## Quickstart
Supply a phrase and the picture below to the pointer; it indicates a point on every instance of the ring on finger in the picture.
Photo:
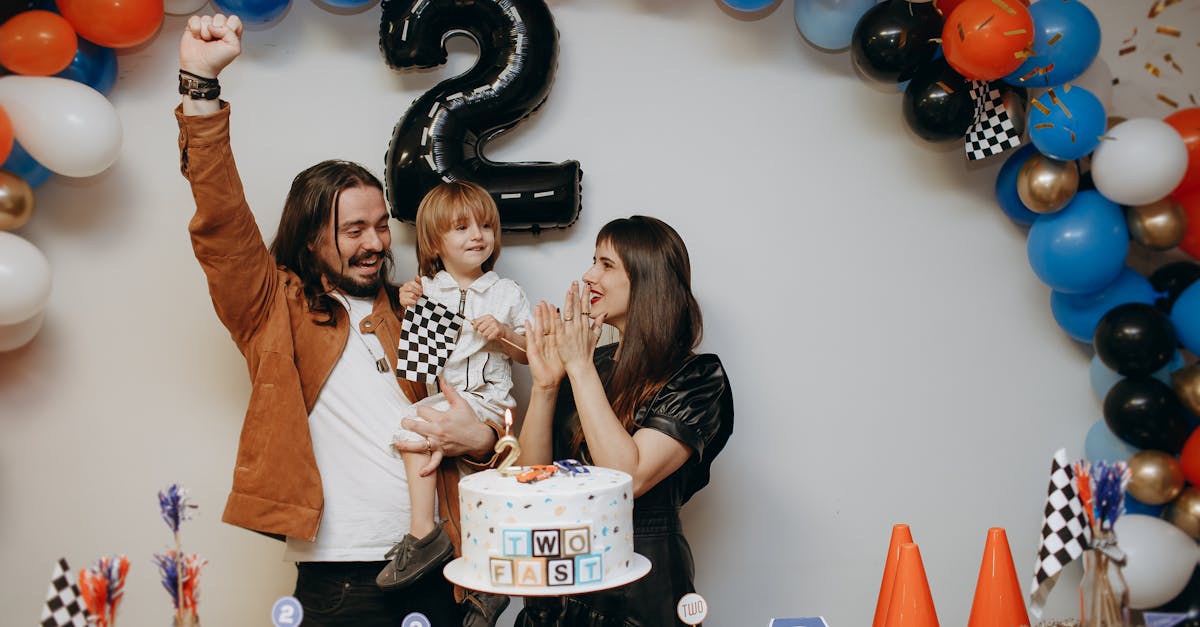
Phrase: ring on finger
(428, 445)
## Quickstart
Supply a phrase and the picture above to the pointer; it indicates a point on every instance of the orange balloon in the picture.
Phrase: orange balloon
(1187, 123)
(983, 39)
(1190, 201)
(6, 136)
(37, 43)
(114, 23)
(1189, 458)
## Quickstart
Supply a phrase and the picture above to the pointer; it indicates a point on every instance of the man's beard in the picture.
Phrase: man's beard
(356, 288)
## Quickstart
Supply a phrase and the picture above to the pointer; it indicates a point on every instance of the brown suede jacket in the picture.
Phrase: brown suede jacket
(276, 483)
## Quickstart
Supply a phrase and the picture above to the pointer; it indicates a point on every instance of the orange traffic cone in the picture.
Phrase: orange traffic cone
(900, 535)
(912, 603)
(998, 598)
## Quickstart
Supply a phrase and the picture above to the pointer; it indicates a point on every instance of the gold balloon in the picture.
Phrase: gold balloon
(1159, 225)
(16, 201)
(1185, 512)
(1046, 185)
(1155, 477)
(1186, 382)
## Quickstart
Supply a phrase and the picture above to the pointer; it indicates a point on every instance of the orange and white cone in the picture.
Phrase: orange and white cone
(901, 534)
(912, 602)
(998, 598)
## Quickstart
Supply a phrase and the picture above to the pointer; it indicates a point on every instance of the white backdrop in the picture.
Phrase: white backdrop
(892, 356)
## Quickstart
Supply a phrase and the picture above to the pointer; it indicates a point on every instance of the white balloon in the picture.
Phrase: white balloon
(1097, 80)
(65, 125)
(182, 7)
(1160, 559)
(14, 336)
(24, 279)
(1142, 162)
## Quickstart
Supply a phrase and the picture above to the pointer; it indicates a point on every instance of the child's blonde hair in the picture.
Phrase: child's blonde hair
(449, 204)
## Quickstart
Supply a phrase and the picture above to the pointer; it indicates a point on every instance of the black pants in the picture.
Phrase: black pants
(344, 594)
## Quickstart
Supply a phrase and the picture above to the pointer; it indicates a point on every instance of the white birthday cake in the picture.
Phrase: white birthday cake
(568, 531)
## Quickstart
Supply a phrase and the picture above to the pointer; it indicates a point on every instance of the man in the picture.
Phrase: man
(319, 328)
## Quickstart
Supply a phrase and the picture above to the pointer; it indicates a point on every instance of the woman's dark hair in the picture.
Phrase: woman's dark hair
(663, 325)
(309, 210)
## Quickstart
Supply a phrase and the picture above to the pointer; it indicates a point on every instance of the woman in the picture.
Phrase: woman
(647, 405)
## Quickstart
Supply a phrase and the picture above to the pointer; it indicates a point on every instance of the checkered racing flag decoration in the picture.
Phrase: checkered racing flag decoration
(993, 131)
(64, 607)
(1065, 531)
(427, 337)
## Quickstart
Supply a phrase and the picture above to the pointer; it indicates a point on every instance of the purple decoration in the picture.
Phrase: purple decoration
(174, 504)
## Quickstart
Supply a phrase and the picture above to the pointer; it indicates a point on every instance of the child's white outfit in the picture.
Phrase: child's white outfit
(482, 378)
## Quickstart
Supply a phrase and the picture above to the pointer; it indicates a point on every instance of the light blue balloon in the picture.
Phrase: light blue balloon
(1101, 444)
(1103, 378)
(1076, 35)
(1006, 186)
(1082, 247)
(1078, 314)
(1185, 316)
(829, 24)
(1069, 129)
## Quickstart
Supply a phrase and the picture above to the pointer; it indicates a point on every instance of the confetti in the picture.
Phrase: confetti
(1019, 31)
(1055, 100)
(1040, 107)
(1126, 50)
(1164, 98)
(1004, 6)
(1053, 40)
(1169, 31)
(945, 87)
(1169, 59)
(1156, 8)
(1151, 68)
(1130, 38)
(1043, 125)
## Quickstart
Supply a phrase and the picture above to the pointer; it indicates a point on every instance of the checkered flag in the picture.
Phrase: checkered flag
(427, 337)
(994, 130)
(64, 607)
(1065, 531)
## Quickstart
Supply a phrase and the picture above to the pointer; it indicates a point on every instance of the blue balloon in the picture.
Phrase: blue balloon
(1075, 32)
(20, 163)
(1185, 316)
(1070, 128)
(1082, 247)
(1006, 187)
(94, 66)
(748, 5)
(253, 11)
(1078, 314)
(1134, 506)
(1103, 378)
(1101, 444)
(829, 24)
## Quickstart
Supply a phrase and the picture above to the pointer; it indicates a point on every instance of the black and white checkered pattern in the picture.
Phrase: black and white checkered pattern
(427, 337)
(1065, 531)
(993, 131)
(63, 605)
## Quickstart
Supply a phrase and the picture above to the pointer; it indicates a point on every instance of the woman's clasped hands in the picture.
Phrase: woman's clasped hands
(560, 343)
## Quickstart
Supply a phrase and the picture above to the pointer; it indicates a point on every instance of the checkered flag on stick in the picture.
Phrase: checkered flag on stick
(427, 337)
(993, 131)
(1065, 531)
(63, 605)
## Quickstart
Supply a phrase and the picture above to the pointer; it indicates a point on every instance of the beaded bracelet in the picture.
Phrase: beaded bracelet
(198, 87)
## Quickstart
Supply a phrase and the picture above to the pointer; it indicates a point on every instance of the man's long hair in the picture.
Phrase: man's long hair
(663, 324)
(310, 213)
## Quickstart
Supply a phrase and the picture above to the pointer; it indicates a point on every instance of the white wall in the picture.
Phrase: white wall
(893, 357)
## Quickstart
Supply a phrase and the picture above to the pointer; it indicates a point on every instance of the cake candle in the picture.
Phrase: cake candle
(508, 442)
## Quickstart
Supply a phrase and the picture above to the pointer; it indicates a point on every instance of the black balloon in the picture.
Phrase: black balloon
(893, 38)
(9, 8)
(1145, 412)
(443, 133)
(1134, 339)
(1186, 602)
(1172, 279)
(938, 104)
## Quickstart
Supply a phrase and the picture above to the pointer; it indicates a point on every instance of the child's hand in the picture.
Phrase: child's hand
(489, 327)
(410, 292)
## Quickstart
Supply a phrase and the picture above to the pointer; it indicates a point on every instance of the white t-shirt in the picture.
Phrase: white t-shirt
(366, 492)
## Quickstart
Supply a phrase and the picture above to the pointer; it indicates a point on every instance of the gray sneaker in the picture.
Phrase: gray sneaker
(483, 609)
(412, 557)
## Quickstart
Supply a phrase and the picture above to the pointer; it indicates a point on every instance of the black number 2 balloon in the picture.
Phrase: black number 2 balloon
(443, 133)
